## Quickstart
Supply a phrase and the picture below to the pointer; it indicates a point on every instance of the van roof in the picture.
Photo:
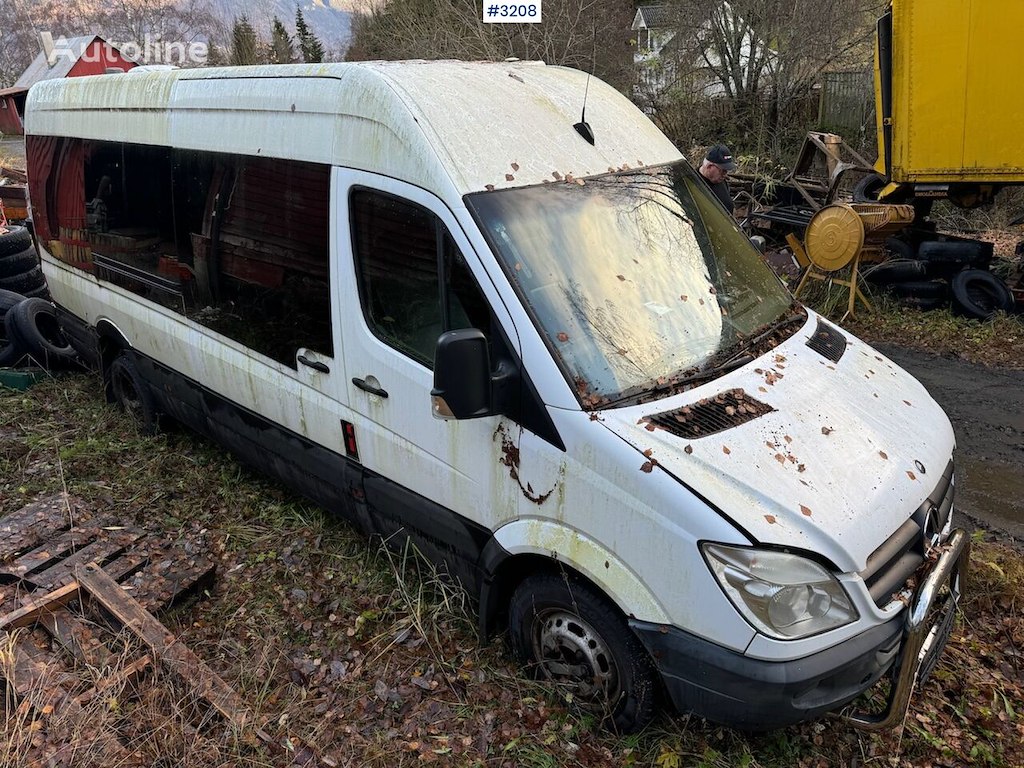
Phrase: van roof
(447, 126)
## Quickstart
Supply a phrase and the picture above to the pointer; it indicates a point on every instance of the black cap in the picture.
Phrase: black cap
(721, 156)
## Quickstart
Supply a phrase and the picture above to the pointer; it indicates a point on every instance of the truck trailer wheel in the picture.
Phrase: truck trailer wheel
(131, 393)
(569, 634)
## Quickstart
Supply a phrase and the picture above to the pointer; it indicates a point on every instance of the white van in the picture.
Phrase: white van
(425, 297)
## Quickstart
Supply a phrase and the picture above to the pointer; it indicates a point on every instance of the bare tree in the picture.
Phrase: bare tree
(588, 34)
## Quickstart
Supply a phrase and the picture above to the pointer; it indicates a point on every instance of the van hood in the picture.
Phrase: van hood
(825, 456)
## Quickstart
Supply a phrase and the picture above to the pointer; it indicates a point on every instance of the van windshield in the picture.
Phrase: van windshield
(638, 279)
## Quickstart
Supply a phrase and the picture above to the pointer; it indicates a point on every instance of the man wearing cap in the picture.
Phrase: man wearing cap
(715, 169)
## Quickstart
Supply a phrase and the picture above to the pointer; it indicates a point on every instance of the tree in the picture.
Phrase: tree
(743, 71)
(309, 44)
(592, 35)
(282, 47)
(246, 46)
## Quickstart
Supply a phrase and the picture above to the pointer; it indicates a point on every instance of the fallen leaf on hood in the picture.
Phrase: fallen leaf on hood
(805, 510)
(647, 466)
(725, 450)
(688, 449)
(770, 519)
(648, 452)
(826, 430)
(562, 336)
(911, 475)
(884, 455)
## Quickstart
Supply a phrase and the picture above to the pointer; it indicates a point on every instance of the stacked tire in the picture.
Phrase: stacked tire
(30, 333)
(19, 265)
(941, 273)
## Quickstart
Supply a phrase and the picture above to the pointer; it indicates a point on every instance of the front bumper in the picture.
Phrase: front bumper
(752, 694)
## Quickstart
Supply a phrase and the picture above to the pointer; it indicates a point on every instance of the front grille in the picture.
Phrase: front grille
(890, 565)
(827, 342)
(712, 415)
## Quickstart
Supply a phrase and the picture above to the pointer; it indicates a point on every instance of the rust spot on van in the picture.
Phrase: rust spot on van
(563, 336)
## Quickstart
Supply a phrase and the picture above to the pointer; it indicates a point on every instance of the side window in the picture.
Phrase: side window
(414, 283)
(238, 244)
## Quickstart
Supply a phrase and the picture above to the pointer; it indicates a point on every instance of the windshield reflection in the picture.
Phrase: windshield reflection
(635, 278)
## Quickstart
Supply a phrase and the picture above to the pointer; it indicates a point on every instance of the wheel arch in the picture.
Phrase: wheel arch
(110, 343)
(526, 547)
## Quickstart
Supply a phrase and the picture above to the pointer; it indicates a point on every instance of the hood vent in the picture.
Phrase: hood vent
(827, 342)
(715, 414)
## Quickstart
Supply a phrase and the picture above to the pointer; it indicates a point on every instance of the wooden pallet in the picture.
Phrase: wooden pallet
(72, 584)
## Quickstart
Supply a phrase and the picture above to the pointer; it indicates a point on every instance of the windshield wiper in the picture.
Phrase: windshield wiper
(740, 356)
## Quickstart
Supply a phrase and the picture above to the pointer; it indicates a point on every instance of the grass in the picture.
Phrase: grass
(364, 656)
(997, 342)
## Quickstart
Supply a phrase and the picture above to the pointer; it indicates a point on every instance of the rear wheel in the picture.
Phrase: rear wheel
(568, 633)
(131, 393)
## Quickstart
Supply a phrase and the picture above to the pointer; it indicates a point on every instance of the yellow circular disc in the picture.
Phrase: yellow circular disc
(834, 237)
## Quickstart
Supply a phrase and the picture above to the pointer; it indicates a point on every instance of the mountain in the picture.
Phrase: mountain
(330, 20)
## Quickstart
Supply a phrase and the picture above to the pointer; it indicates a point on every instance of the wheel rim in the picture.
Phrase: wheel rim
(570, 651)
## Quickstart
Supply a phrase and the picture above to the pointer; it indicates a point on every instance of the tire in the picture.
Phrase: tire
(42, 292)
(36, 327)
(921, 289)
(11, 349)
(980, 294)
(867, 189)
(560, 620)
(896, 271)
(16, 240)
(899, 249)
(26, 281)
(9, 300)
(18, 263)
(950, 256)
(132, 394)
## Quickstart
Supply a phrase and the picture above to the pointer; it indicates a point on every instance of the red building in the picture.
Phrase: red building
(69, 57)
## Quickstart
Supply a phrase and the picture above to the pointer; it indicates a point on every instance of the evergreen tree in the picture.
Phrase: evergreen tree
(310, 46)
(282, 47)
(246, 47)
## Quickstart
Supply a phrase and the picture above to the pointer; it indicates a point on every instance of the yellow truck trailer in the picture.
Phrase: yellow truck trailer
(950, 99)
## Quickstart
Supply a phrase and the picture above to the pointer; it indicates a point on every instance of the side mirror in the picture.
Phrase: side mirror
(462, 376)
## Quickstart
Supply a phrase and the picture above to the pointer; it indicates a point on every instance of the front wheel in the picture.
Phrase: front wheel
(569, 634)
(131, 393)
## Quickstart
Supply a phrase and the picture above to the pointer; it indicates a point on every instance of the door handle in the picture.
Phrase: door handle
(316, 365)
(367, 387)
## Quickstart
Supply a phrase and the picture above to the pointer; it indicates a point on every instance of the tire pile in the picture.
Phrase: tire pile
(29, 329)
(943, 273)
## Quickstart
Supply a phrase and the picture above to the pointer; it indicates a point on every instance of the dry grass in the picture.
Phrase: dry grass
(368, 657)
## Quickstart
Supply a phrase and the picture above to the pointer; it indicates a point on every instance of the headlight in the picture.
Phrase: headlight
(784, 596)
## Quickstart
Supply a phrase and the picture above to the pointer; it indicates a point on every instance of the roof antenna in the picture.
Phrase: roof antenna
(583, 127)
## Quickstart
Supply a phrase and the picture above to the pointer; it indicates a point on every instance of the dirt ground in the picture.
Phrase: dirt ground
(986, 406)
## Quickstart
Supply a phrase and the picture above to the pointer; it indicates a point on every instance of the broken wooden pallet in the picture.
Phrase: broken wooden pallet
(43, 548)
(43, 543)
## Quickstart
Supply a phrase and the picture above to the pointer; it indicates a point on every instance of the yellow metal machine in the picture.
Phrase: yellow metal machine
(949, 98)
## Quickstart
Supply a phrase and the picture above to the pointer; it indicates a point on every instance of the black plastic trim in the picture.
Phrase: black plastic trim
(752, 694)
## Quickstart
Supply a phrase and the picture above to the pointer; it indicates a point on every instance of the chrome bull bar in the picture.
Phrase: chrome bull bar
(919, 637)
